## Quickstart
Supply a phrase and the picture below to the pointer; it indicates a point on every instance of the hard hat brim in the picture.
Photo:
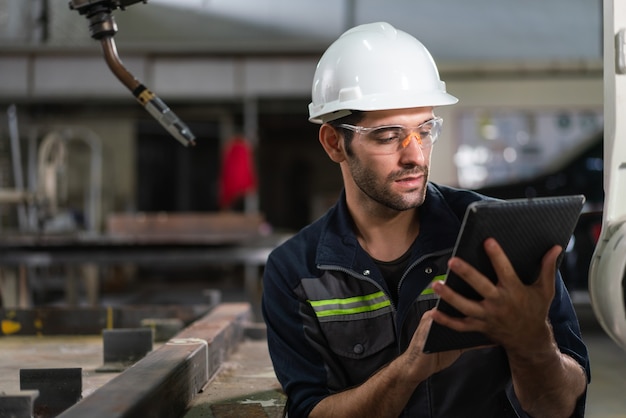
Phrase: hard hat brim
(338, 108)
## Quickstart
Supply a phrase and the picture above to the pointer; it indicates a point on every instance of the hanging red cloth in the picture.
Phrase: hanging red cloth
(237, 176)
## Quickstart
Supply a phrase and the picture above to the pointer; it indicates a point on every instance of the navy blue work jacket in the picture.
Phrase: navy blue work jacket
(331, 323)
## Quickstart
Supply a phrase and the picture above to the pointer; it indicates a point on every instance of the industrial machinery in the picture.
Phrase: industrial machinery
(608, 266)
(102, 27)
(41, 199)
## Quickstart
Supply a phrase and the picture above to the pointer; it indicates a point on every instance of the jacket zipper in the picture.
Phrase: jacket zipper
(415, 263)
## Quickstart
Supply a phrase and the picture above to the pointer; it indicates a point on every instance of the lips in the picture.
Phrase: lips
(412, 181)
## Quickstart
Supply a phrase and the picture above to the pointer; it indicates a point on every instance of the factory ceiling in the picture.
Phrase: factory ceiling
(454, 30)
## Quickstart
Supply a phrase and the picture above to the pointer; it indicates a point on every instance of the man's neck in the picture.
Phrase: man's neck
(387, 236)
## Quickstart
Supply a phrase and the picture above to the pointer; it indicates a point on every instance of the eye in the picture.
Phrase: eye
(425, 132)
(386, 135)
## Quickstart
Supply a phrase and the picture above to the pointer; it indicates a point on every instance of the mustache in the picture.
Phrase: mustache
(417, 170)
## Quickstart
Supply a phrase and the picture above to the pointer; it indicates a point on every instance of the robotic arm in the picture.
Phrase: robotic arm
(607, 273)
(102, 27)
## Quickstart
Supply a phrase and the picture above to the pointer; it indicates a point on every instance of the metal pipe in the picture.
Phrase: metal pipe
(102, 27)
(115, 64)
(150, 101)
(16, 156)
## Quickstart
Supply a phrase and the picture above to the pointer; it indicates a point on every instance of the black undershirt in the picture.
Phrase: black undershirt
(392, 273)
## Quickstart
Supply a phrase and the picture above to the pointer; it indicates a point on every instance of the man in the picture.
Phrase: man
(348, 300)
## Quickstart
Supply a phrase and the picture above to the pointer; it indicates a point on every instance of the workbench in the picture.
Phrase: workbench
(181, 244)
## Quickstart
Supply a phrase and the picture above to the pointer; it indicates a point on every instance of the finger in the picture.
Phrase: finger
(478, 281)
(548, 267)
(422, 330)
(464, 305)
(425, 321)
(500, 262)
(458, 324)
(550, 258)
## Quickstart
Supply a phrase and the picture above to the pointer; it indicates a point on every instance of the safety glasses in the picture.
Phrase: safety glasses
(389, 139)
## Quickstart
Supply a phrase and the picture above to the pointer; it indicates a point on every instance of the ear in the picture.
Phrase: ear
(331, 141)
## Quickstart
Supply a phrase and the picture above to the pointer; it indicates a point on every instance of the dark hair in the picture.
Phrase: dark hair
(352, 119)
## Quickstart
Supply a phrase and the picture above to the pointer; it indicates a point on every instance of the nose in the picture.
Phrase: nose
(412, 154)
(413, 135)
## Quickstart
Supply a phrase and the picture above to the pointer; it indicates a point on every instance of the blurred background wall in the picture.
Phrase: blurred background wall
(528, 77)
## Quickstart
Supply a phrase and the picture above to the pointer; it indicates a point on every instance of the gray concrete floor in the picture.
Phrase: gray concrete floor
(606, 395)
(245, 387)
(39, 352)
(247, 377)
(251, 366)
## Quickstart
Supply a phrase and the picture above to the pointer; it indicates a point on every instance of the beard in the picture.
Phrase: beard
(381, 191)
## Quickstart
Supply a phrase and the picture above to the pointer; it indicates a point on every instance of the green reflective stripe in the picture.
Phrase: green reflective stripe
(429, 289)
(351, 305)
(346, 301)
(351, 311)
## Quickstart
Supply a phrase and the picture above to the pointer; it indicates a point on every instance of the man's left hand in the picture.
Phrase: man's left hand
(511, 313)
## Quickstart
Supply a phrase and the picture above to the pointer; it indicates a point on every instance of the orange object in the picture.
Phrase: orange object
(409, 137)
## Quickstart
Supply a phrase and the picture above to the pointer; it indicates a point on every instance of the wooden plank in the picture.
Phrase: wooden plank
(177, 225)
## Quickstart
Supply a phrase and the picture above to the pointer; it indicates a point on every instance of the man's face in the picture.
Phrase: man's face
(396, 181)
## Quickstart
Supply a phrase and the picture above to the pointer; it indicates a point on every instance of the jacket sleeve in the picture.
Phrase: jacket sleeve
(298, 366)
(567, 334)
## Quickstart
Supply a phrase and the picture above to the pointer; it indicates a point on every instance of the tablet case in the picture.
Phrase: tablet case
(526, 229)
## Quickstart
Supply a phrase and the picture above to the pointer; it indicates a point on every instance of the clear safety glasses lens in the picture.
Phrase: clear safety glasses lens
(390, 139)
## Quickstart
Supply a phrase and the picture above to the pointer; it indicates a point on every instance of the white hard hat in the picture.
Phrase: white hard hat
(375, 67)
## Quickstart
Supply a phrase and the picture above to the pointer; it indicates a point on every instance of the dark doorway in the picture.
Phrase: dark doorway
(174, 178)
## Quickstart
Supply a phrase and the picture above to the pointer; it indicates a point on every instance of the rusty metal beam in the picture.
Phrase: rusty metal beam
(162, 384)
(159, 385)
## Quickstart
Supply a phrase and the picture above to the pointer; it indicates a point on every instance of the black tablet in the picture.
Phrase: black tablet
(526, 229)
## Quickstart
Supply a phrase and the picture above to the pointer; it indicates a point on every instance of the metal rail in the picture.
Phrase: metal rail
(164, 382)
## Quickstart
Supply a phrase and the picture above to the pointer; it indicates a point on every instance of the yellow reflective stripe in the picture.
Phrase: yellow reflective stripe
(349, 311)
(346, 301)
(365, 303)
(429, 289)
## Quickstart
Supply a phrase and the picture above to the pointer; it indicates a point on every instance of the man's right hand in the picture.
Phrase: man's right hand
(386, 393)
(422, 364)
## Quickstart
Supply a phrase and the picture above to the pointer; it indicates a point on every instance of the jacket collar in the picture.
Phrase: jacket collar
(338, 245)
